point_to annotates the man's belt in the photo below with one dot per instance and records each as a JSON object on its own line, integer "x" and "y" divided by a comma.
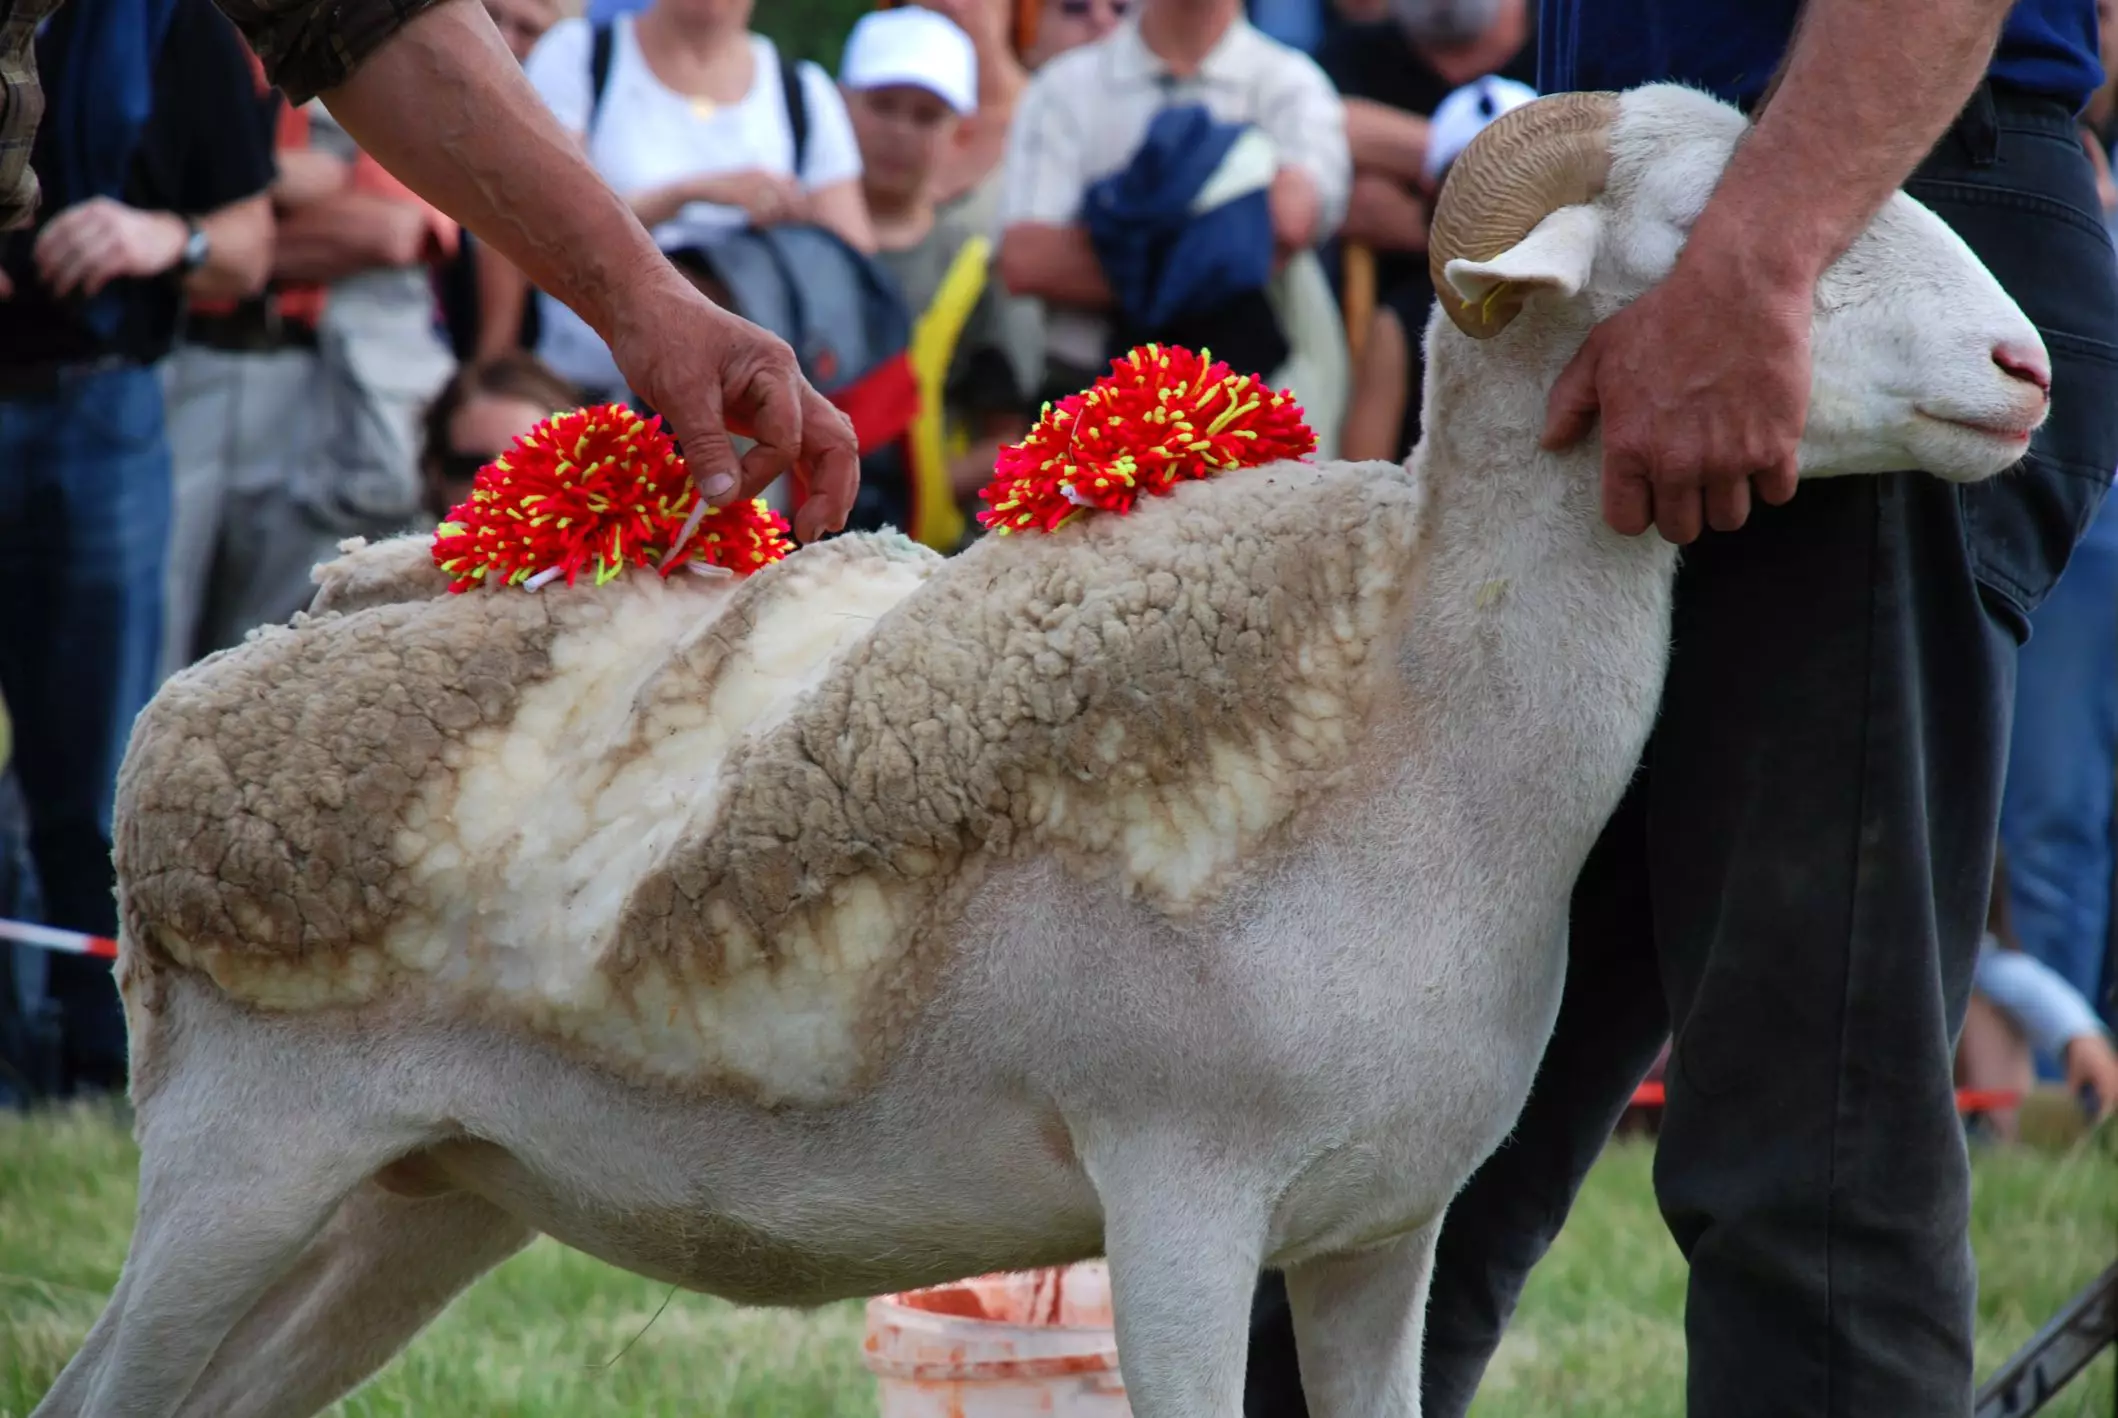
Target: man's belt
{"x": 252, "y": 327}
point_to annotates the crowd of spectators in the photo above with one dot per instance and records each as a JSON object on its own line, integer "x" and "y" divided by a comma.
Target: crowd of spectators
{"x": 233, "y": 340}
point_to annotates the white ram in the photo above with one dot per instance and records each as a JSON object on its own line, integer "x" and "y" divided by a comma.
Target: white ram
{"x": 1188, "y": 886}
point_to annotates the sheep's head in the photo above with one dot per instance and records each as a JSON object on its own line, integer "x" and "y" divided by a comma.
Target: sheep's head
{"x": 1575, "y": 204}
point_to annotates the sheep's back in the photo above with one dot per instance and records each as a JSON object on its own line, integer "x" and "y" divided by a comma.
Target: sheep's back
{"x": 1152, "y": 698}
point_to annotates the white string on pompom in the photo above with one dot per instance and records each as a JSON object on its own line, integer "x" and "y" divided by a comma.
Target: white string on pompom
{"x": 710, "y": 571}
{"x": 699, "y": 510}
{"x": 543, "y": 578}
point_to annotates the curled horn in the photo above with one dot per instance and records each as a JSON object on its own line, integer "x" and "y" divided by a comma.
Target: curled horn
{"x": 1550, "y": 153}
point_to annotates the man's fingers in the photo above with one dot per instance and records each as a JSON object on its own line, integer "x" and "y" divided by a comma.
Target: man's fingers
{"x": 1570, "y": 410}
{"x": 1776, "y": 485}
{"x": 1677, "y": 514}
{"x": 830, "y": 467}
{"x": 1728, "y": 505}
{"x": 1627, "y": 502}
{"x": 708, "y": 453}
{"x": 771, "y": 404}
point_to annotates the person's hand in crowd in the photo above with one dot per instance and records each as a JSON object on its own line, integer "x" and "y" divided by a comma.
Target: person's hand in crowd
{"x": 1702, "y": 388}
{"x": 88, "y": 246}
{"x": 2092, "y": 1067}
{"x": 711, "y": 373}
{"x": 308, "y": 175}
{"x": 767, "y": 198}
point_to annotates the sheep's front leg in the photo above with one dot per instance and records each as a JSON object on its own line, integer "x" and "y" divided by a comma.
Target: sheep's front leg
{"x": 1358, "y": 1319}
{"x": 1184, "y": 1247}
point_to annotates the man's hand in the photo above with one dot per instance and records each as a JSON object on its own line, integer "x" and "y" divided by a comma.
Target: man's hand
{"x": 711, "y": 373}
{"x": 1702, "y": 387}
{"x": 88, "y": 246}
{"x": 2092, "y": 1065}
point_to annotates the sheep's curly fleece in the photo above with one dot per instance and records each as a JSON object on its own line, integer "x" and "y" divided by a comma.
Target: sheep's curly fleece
{"x": 1149, "y": 697}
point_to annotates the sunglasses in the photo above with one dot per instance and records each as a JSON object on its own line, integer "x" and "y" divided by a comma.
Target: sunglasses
{"x": 1082, "y": 9}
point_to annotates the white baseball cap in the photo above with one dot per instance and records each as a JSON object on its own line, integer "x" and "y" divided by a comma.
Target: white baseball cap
{"x": 1464, "y": 114}
{"x": 912, "y": 45}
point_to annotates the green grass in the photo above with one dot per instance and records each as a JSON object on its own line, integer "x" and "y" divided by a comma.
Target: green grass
{"x": 1599, "y": 1334}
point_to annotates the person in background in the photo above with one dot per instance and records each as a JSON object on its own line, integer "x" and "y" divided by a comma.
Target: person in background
{"x": 1064, "y": 25}
{"x": 1083, "y": 119}
{"x": 1382, "y": 420}
{"x": 2059, "y": 814}
{"x": 432, "y": 92}
{"x": 910, "y": 80}
{"x": 1394, "y": 75}
{"x": 342, "y": 337}
{"x": 351, "y": 342}
{"x": 693, "y": 126}
{"x": 485, "y": 302}
{"x": 157, "y": 160}
{"x": 475, "y": 418}
{"x": 2021, "y": 1008}
{"x": 966, "y": 180}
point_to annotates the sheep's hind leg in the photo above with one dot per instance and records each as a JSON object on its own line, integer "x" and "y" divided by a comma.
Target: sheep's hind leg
{"x": 231, "y": 1189}
{"x": 1184, "y": 1246}
{"x": 382, "y": 1268}
{"x": 1358, "y": 1320}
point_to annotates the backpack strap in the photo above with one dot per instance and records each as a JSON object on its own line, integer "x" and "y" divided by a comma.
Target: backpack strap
{"x": 797, "y": 111}
{"x": 601, "y": 46}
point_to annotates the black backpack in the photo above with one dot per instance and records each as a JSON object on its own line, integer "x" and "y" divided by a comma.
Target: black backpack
{"x": 599, "y": 55}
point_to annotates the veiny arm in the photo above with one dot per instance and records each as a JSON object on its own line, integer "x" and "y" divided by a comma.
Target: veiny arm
{"x": 443, "y": 106}
{"x": 1703, "y": 382}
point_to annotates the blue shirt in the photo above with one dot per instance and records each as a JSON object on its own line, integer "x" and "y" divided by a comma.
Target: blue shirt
{"x": 1731, "y": 47}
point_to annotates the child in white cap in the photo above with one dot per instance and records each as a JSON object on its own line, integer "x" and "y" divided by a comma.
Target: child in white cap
{"x": 910, "y": 77}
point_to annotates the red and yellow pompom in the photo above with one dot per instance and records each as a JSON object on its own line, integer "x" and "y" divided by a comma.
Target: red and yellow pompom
{"x": 1162, "y": 416}
{"x": 592, "y": 492}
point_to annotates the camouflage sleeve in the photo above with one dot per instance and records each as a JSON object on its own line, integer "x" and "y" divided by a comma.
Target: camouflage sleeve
{"x": 311, "y": 45}
{"x": 21, "y": 105}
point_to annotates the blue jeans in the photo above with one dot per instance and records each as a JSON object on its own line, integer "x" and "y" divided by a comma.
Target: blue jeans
{"x": 2056, "y": 817}
{"x": 84, "y": 531}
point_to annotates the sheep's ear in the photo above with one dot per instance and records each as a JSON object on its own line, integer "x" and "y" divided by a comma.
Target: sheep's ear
{"x": 1554, "y": 259}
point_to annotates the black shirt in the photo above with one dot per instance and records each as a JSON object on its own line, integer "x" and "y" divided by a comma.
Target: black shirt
{"x": 207, "y": 143}
{"x": 1376, "y": 62}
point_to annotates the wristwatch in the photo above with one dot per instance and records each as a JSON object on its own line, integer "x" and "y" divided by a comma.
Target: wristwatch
{"x": 197, "y": 245}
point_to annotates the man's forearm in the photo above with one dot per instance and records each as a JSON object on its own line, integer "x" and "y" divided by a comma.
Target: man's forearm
{"x": 1385, "y": 139}
{"x": 445, "y": 108}
{"x": 1053, "y": 263}
{"x": 1868, "y": 87}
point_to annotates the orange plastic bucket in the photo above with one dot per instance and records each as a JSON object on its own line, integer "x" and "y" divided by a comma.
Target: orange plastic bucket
{"x": 1001, "y": 1346}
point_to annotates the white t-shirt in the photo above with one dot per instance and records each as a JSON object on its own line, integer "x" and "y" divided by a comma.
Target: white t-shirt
{"x": 646, "y": 135}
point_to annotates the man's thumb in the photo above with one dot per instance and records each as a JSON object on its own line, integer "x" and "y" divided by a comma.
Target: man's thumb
{"x": 711, "y": 458}
{"x": 1570, "y": 410}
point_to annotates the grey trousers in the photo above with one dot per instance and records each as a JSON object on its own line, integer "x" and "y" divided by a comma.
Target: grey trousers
{"x": 1796, "y": 882}
{"x": 242, "y": 429}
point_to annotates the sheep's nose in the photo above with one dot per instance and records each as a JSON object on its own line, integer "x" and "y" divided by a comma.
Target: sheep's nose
{"x": 2024, "y": 362}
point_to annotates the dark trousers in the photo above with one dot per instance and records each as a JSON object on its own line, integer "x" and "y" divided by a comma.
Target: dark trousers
{"x": 1796, "y": 883}
{"x": 84, "y": 530}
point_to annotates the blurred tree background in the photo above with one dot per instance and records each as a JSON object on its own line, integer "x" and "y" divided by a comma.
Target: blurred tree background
{"x": 809, "y": 29}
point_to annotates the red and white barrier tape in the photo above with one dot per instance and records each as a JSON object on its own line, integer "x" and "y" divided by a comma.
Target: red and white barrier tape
{"x": 52, "y": 938}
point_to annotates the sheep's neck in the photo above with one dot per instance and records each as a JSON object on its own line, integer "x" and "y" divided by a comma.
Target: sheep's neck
{"x": 1539, "y": 637}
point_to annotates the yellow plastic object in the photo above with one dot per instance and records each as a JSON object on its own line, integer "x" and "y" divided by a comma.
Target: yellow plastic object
{"x": 936, "y": 519}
